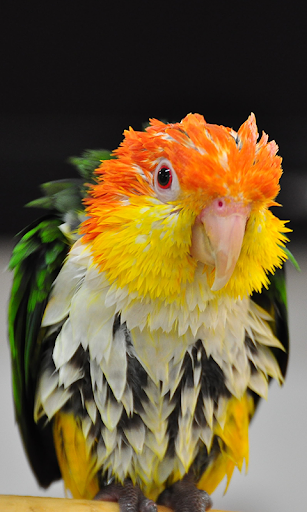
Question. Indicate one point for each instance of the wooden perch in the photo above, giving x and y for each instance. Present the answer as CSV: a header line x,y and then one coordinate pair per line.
x,y
31,504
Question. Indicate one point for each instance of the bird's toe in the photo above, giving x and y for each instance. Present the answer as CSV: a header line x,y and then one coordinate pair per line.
x,y
183,496
128,496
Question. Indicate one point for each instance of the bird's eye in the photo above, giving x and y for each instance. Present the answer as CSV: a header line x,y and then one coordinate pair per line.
x,y
164,177
166,182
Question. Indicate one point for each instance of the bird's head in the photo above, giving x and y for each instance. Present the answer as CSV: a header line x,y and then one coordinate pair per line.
x,y
183,195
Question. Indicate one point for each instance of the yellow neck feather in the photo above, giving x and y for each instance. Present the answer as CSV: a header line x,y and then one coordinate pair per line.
x,y
144,245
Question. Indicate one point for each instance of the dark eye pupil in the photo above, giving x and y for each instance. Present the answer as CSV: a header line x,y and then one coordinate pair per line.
x,y
164,176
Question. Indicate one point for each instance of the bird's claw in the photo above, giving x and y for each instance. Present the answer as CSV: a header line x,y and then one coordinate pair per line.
x,y
128,496
183,496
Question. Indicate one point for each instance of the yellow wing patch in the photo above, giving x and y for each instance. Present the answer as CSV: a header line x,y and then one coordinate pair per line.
x,y
233,439
76,463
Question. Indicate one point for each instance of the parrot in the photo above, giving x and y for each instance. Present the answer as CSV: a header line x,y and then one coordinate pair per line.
x,y
148,314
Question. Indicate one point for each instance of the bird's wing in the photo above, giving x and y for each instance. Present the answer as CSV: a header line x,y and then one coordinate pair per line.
x,y
274,301
36,261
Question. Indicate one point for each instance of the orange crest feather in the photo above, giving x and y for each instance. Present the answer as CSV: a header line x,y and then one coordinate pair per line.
x,y
210,161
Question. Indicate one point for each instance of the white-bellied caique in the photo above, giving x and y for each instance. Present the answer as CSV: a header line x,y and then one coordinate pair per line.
x,y
148,315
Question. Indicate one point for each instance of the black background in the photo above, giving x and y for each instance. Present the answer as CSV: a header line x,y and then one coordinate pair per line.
x,y
75,75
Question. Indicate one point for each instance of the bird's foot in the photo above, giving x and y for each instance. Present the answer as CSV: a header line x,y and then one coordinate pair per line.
x,y
129,497
183,496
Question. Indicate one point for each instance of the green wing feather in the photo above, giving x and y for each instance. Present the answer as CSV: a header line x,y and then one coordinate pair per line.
x,y
36,261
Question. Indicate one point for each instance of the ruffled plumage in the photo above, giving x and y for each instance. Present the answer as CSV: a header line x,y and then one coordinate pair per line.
x,y
143,368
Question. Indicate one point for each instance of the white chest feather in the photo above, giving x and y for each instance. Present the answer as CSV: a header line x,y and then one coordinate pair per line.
x,y
159,336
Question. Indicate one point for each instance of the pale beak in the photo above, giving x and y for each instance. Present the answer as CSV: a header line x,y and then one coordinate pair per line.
x,y
217,237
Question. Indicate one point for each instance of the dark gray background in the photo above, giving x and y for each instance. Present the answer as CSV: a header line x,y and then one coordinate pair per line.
x,y
75,78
